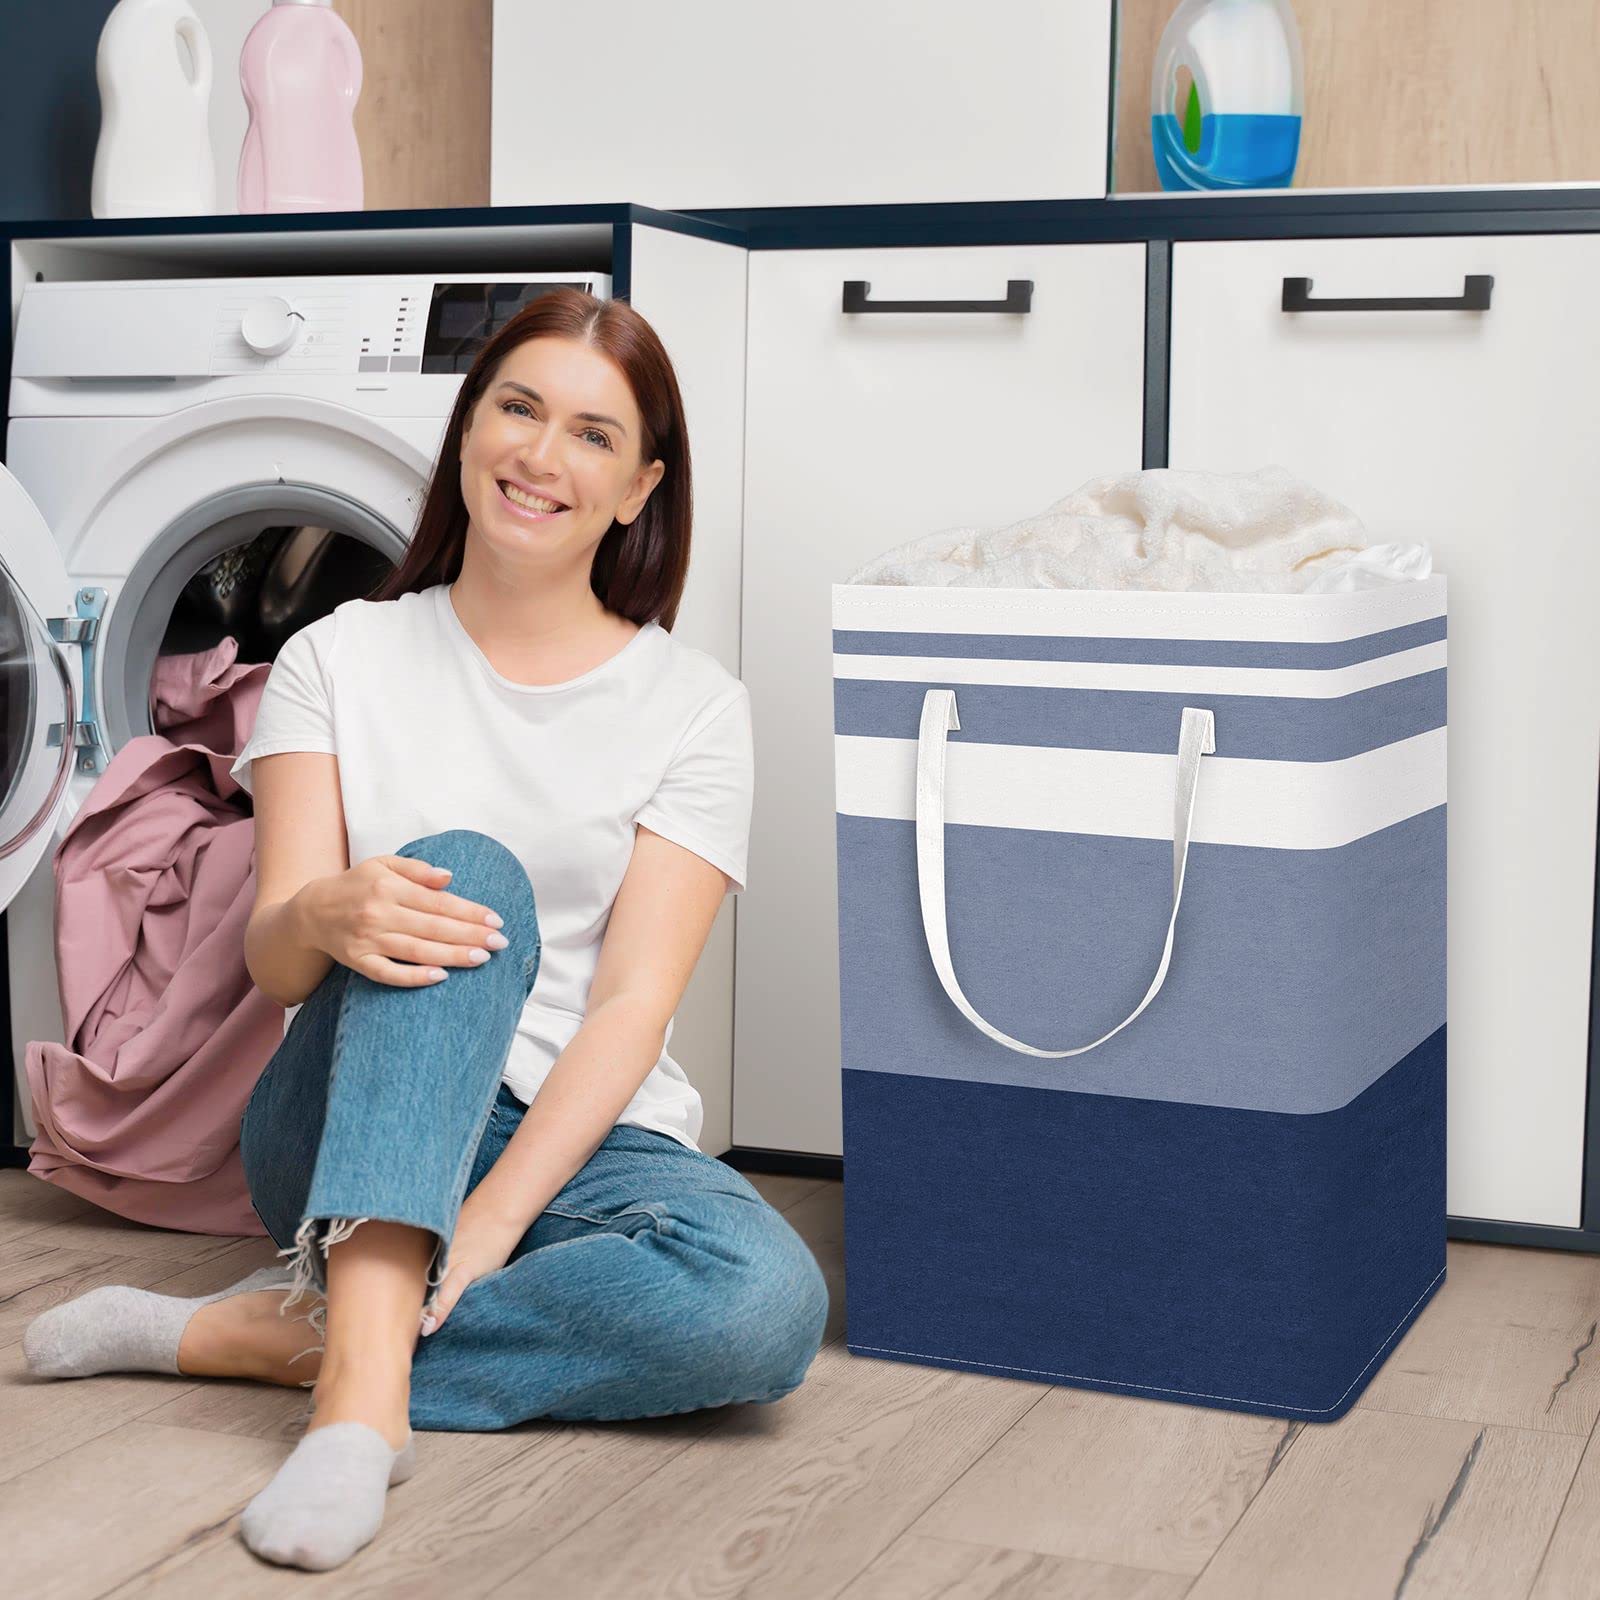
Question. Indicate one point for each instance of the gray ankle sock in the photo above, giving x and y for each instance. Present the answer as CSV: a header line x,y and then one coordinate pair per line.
x,y
327,1499
118,1328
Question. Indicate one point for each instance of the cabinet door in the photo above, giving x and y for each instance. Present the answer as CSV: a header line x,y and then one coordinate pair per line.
x,y
863,431
1475,431
711,104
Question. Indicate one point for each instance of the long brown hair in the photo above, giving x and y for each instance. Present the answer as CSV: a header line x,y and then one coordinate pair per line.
x,y
639,569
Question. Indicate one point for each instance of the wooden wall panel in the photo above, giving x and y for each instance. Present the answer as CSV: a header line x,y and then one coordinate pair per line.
x,y
1421,92
423,116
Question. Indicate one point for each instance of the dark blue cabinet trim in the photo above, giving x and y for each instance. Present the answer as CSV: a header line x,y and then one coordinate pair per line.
x,y
1157,349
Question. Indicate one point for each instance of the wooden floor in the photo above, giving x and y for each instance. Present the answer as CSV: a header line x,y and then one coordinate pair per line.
x,y
1470,1466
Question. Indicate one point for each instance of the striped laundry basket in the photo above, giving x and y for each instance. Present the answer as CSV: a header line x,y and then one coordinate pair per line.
x,y
1142,981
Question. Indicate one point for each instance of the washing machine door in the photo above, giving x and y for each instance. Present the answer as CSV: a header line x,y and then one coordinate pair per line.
x,y
39,676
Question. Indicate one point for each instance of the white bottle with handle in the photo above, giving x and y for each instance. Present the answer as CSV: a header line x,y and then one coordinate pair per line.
x,y
153,158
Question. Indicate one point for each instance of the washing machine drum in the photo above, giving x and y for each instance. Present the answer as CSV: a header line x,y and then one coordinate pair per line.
x,y
265,591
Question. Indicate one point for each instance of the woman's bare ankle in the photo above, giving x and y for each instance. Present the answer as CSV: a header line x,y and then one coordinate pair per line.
x,y
245,1336
376,1392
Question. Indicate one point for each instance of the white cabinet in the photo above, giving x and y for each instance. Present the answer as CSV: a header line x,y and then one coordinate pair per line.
x,y
711,104
1474,430
864,430
692,291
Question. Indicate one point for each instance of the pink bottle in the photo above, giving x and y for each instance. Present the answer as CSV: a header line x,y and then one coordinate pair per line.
x,y
300,70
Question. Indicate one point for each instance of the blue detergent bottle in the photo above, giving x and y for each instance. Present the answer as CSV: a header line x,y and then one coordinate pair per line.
x,y
1232,120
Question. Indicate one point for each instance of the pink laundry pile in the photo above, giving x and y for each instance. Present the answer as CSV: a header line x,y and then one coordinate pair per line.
x,y
166,1034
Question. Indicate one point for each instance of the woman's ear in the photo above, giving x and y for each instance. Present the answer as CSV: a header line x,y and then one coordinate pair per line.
x,y
645,482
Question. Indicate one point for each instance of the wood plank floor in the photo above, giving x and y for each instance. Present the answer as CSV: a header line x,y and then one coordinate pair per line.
x,y
1470,1467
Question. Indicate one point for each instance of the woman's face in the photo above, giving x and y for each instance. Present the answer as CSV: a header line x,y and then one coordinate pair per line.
x,y
557,422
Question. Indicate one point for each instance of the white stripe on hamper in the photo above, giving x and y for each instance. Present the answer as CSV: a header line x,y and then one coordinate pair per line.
x,y
1282,805
1120,614
1277,684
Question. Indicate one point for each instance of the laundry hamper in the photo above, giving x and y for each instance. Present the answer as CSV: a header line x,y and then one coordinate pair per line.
x,y
1142,981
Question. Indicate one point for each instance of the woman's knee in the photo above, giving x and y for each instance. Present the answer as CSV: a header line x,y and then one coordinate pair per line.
x,y
466,851
483,870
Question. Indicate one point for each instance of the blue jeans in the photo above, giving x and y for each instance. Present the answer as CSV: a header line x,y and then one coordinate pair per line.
x,y
657,1281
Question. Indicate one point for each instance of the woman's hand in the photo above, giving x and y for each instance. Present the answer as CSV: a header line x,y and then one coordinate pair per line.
x,y
390,920
480,1245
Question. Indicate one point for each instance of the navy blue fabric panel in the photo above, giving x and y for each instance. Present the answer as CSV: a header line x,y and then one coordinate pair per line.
x,y
1250,727
1152,652
1242,1260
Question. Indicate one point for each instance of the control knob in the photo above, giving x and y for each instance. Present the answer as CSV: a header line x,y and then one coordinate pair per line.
x,y
270,326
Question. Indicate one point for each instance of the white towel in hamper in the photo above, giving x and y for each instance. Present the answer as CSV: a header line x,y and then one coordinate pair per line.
x,y
1167,528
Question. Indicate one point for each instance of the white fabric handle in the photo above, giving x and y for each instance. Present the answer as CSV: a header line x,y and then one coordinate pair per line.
x,y
1196,737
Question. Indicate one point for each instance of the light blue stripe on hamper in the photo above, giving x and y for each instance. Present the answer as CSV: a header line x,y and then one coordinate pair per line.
x,y
1142,652
1317,969
1254,727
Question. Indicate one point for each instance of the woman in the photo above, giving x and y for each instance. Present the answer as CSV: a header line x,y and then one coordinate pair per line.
x,y
497,807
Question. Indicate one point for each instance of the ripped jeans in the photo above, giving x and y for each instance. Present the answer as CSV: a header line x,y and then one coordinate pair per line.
x,y
657,1281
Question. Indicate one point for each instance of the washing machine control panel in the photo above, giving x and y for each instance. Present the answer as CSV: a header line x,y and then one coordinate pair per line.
x,y
393,344
289,326
433,324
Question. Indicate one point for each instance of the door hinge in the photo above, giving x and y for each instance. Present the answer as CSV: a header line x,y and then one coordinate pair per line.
x,y
82,630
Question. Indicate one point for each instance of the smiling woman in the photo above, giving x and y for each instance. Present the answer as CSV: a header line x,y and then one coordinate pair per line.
x,y
498,807
529,462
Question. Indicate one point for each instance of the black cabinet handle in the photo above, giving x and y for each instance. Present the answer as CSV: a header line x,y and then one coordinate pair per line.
x,y
1019,297
1474,296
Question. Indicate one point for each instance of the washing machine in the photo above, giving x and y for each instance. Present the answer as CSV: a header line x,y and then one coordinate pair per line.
x,y
174,446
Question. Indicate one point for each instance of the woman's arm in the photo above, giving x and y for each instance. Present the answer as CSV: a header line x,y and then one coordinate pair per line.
x,y
659,923
300,836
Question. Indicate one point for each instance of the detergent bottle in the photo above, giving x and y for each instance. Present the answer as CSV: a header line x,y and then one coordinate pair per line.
x,y
300,70
153,156
1238,123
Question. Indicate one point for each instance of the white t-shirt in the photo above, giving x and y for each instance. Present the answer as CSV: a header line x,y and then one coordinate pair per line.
x,y
430,737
